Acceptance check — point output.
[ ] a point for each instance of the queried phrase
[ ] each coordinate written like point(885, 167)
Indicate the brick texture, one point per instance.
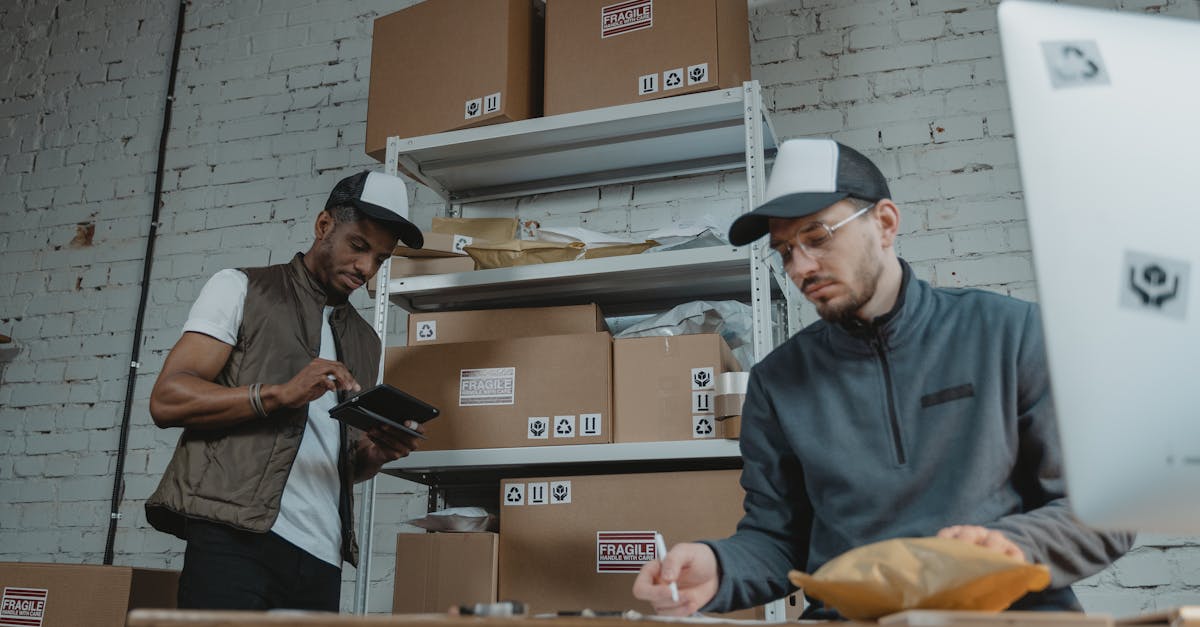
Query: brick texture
point(269, 113)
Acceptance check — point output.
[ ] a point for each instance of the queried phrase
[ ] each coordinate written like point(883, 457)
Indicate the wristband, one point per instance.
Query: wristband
point(256, 400)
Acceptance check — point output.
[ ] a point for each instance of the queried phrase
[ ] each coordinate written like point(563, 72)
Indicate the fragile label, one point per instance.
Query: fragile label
point(23, 607)
point(486, 386)
point(626, 17)
point(624, 551)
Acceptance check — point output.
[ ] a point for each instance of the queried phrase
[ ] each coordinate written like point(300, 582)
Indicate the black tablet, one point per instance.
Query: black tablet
point(383, 404)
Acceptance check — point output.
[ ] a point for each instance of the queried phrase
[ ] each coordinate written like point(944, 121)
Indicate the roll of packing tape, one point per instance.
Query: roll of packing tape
point(732, 382)
point(730, 393)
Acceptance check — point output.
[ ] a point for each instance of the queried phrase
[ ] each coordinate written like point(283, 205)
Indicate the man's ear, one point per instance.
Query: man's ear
point(887, 215)
point(324, 225)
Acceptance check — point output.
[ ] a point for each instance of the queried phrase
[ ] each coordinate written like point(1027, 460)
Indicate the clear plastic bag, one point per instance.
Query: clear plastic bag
point(732, 319)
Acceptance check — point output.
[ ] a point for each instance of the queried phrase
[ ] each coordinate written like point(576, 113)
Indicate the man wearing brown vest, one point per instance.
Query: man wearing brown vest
point(261, 481)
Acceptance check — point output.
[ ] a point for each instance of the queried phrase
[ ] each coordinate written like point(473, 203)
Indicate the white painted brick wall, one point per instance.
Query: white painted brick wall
point(270, 111)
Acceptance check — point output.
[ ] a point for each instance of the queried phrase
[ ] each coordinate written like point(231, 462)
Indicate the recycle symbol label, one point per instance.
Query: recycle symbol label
point(564, 426)
point(539, 428)
point(697, 74)
point(703, 427)
point(702, 378)
point(426, 330)
point(672, 78)
point(560, 492)
point(514, 494)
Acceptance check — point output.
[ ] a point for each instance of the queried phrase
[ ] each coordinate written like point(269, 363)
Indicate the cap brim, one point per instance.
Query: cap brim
point(409, 233)
point(751, 226)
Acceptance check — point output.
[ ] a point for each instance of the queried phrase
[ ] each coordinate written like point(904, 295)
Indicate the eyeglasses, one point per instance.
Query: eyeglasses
point(814, 238)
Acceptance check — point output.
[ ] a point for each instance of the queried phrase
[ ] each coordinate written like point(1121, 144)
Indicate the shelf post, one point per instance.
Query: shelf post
point(366, 504)
point(756, 176)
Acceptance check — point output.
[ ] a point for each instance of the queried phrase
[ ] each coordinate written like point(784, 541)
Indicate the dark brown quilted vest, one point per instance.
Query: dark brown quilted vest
point(236, 476)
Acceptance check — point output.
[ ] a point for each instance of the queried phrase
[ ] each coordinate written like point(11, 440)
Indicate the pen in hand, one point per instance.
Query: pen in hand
point(660, 547)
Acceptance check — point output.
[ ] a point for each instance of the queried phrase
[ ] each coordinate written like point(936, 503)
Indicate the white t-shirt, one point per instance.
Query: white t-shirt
point(308, 514)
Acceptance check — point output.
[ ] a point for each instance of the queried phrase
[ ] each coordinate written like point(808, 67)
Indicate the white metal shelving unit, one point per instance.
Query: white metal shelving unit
point(683, 135)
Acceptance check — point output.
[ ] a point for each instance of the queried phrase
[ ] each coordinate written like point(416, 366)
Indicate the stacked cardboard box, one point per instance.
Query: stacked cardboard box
point(450, 64)
point(509, 377)
point(441, 254)
point(442, 65)
point(601, 53)
point(69, 595)
point(436, 571)
point(569, 543)
point(664, 387)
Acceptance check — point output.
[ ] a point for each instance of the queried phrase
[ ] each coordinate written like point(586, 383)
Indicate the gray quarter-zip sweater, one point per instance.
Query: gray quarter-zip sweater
point(935, 414)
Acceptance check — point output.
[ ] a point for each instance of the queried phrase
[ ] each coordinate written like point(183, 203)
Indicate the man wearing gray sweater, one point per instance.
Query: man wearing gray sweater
point(906, 411)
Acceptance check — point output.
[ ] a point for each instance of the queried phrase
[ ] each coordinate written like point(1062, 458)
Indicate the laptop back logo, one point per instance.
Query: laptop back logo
point(1074, 63)
point(1155, 284)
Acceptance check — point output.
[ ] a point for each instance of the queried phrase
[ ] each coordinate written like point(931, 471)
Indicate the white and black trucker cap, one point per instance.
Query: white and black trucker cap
point(380, 196)
point(809, 175)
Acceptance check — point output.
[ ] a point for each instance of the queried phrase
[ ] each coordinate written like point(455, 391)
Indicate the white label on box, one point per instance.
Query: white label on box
point(514, 494)
point(564, 426)
point(539, 428)
point(704, 427)
point(697, 74)
point(560, 492)
point(626, 17)
point(590, 424)
point(486, 386)
point(624, 551)
point(673, 79)
point(491, 103)
point(538, 493)
point(647, 84)
point(461, 242)
point(23, 607)
point(702, 402)
point(426, 330)
point(702, 378)
point(473, 109)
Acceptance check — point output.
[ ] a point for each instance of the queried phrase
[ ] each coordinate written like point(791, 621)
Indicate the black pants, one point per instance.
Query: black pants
point(229, 569)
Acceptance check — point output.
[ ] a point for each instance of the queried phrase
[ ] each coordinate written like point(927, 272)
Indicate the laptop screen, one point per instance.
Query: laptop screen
point(1106, 112)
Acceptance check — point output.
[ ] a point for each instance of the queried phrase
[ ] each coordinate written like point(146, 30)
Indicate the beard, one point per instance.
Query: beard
point(861, 289)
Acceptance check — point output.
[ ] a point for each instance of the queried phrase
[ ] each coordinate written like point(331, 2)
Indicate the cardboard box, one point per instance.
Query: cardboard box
point(69, 595)
point(421, 266)
point(663, 387)
point(435, 571)
point(601, 53)
point(530, 391)
point(569, 543)
point(495, 324)
point(437, 245)
point(450, 64)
